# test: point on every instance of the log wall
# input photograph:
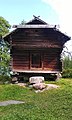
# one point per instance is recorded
(50, 60)
(26, 42)
(36, 38)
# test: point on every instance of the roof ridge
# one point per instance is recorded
(36, 18)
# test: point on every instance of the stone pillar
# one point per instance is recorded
(36, 79)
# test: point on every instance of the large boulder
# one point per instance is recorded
(36, 79)
(39, 86)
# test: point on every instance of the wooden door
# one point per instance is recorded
(36, 62)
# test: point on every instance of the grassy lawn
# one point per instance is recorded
(54, 104)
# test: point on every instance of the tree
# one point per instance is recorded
(67, 58)
(5, 58)
(4, 47)
(23, 22)
(67, 62)
(4, 26)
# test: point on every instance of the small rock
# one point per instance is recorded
(52, 86)
(16, 82)
(9, 102)
(39, 86)
(36, 79)
(14, 79)
(22, 84)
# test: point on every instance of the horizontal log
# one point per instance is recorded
(36, 71)
(36, 46)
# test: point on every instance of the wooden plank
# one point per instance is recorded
(50, 59)
(33, 26)
(33, 71)
(20, 59)
(36, 46)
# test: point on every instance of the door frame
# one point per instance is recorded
(35, 68)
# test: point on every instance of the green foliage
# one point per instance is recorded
(4, 79)
(4, 48)
(4, 26)
(23, 22)
(4, 58)
(67, 73)
(55, 104)
(67, 67)
(67, 63)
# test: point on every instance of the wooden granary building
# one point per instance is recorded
(36, 48)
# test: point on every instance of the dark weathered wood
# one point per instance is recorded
(37, 38)
(50, 58)
(36, 47)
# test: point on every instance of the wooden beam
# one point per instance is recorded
(31, 71)
(33, 26)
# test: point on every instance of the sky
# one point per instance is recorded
(17, 10)
(51, 11)
(63, 9)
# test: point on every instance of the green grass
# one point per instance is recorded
(55, 104)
